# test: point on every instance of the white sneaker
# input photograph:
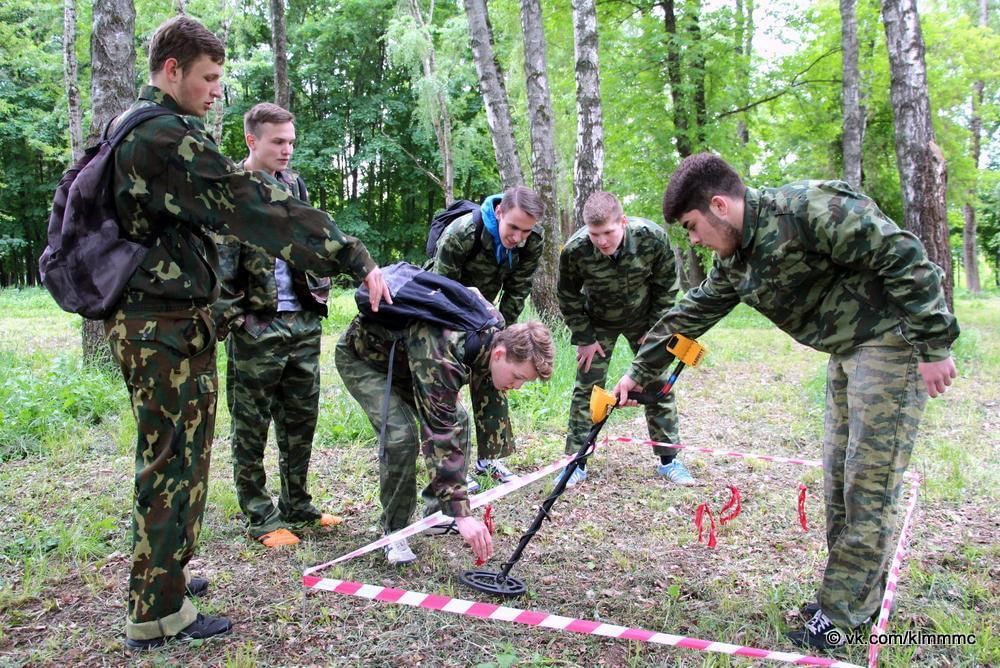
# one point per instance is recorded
(398, 553)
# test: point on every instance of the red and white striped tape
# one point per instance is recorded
(542, 619)
(475, 501)
(721, 453)
(892, 580)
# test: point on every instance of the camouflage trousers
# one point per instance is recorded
(168, 362)
(874, 399)
(661, 418)
(364, 375)
(274, 377)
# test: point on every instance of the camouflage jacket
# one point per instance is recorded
(635, 287)
(456, 260)
(430, 363)
(249, 290)
(826, 266)
(172, 188)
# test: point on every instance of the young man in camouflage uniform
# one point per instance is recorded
(424, 412)
(500, 260)
(172, 188)
(616, 278)
(273, 354)
(826, 266)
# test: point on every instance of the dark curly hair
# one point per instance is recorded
(696, 181)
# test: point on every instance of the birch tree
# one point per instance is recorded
(588, 172)
(970, 252)
(71, 80)
(854, 112)
(112, 91)
(922, 168)
(543, 154)
(491, 85)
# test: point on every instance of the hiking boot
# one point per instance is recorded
(197, 587)
(496, 469)
(278, 538)
(676, 473)
(327, 520)
(471, 484)
(398, 553)
(578, 476)
(205, 626)
(819, 633)
(449, 528)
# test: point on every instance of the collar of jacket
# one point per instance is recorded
(752, 201)
(151, 93)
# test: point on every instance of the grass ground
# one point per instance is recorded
(622, 548)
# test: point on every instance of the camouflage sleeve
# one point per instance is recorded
(663, 280)
(227, 310)
(856, 233)
(569, 291)
(696, 313)
(201, 187)
(517, 286)
(438, 377)
(454, 246)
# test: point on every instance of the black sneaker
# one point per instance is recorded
(197, 587)
(819, 633)
(205, 626)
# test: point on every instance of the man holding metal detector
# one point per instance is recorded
(616, 278)
(826, 266)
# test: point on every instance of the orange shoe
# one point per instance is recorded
(328, 520)
(278, 538)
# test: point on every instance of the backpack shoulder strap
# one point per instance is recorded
(477, 236)
(132, 121)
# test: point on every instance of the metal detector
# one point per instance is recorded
(688, 353)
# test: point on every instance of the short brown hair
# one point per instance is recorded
(185, 39)
(696, 181)
(601, 207)
(523, 198)
(265, 112)
(528, 341)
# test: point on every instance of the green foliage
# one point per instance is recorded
(46, 400)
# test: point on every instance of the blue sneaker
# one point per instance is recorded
(676, 473)
(579, 475)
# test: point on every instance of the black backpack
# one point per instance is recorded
(88, 261)
(455, 210)
(418, 294)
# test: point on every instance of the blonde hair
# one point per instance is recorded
(528, 341)
(601, 207)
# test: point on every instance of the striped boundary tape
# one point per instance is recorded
(421, 525)
(892, 580)
(547, 620)
(543, 619)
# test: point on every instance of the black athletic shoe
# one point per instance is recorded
(205, 626)
(197, 587)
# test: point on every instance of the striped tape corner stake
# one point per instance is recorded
(542, 619)
(892, 580)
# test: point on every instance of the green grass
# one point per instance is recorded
(622, 549)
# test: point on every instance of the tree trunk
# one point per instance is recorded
(279, 46)
(440, 116)
(219, 108)
(970, 252)
(588, 171)
(744, 48)
(491, 85)
(180, 6)
(922, 169)
(854, 113)
(112, 91)
(71, 79)
(543, 155)
(673, 60)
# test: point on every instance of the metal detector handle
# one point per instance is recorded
(646, 398)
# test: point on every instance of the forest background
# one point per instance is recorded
(395, 117)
